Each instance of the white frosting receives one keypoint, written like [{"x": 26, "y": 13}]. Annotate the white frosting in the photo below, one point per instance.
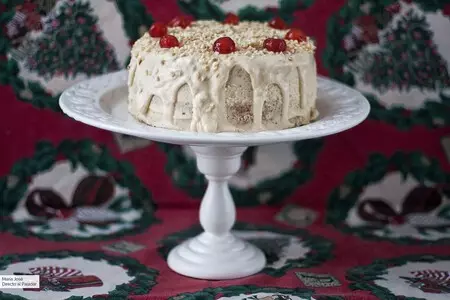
[{"x": 192, "y": 88}]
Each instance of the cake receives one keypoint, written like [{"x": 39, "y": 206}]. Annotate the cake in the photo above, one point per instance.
[{"x": 231, "y": 76}]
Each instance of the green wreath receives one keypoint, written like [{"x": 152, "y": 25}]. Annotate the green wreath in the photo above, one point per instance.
[
  {"x": 344, "y": 197},
  {"x": 321, "y": 249},
  {"x": 204, "y": 9},
  {"x": 432, "y": 114},
  {"x": 363, "y": 277},
  {"x": 230, "y": 291},
  {"x": 91, "y": 157},
  {"x": 145, "y": 277},
  {"x": 184, "y": 174},
  {"x": 134, "y": 16}
]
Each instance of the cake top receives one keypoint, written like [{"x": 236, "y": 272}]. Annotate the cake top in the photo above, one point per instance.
[{"x": 200, "y": 38}]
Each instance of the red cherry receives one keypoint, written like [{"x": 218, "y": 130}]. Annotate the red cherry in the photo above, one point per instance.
[
  {"x": 277, "y": 23},
  {"x": 224, "y": 45},
  {"x": 169, "y": 41},
  {"x": 275, "y": 45},
  {"x": 296, "y": 34},
  {"x": 158, "y": 29},
  {"x": 398, "y": 220},
  {"x": 180, "y": 21},
  {"x": 231, "y": 19}
]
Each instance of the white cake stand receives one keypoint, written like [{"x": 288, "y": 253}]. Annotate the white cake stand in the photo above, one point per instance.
[{"x": 216, "y": 253}]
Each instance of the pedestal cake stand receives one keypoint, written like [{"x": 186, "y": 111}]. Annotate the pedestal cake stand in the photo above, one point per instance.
[{"x": 216, "y": 253}]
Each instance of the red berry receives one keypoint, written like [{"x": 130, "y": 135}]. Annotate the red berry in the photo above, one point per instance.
[
  {"x": 275, "y": 45},
  {"x": 169, "y": 41},
  {"x": 231, "y": 19},
  {"x": 397, "y": 220},
  {"x": 366, "y": 21},
  {"x": 180, "y": 21},
  {"x": 296, "y": 34},
  {"x": 277, "y": 23},
  {"x": 158, "y": 29},
  {"x": 224, "y": 45},
  {"x": 64, "y": 213},
  {"x": 393, "y": 8}
]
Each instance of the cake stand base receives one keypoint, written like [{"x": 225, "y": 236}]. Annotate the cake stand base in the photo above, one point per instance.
[
  {"x": 209, "y": 257},
  {"x": 217, "y": 253}
]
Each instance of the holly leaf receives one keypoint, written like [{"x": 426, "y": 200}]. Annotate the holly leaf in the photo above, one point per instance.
[
  {"x": 252, "y": 13},
  {"x": 135, "y": 15},
  {"x": 355, "y": 179},
  {"x": 24, "y": 168},
  {"x": 119, "y": 204},
  {"x": 44, "y": 147},
  {"x": 73, "y": 159},
  {"x": 288, "y": 7},
  {"x": 36, "y": 88},
  {"x": 10, "y": 197},
  {"x": 4, "y": 45},
  {"x": 347, "y": 77},
  {"x": 445, "y": 98},
  {"x": 125, "y": 168},
  {"x": 6, "y": 16},
  {"x": 11, "y": 69},
  {"x": 17, "y": 84},
  {"x": 378, "y": 166},
  {"x": 417, "y": 166},
  {"x": 106, "y": 161},
  {"x": 431, "y": 6},
  {"x": 82, "y": 227},
  {"x": 202, "y": 9},
  {"x": 119, "y": 293},
  {"x": 445, "y": 212},
  {"x": 87, "y": 156}
]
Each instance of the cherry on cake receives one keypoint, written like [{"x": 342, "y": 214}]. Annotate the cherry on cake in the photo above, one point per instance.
[{"x": 231, "y": 76}]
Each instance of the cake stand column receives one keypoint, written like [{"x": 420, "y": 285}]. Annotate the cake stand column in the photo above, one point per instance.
[{"x": 217, "y": 253}]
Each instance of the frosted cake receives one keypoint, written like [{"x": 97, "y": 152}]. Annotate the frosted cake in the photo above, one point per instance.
[{"x": 230, "y": 76}]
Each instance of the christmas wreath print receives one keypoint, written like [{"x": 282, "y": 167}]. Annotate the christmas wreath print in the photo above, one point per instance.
[
  {"x": 49, "y": 45},
  {"x": 247, "y": 292},
  {"x": 387, "y": 50},
  {"x": 185, "y": 175},
  {"x": 252, "y": 292},
  {"x": 211, "y": 9},
  {"x": 414, "y": 277},
  {"x": 420, "y": 216},
  {"x": 61, "y": 271},
  {"x": 284, "y": 249},
  {"x": 73, "y": 191}
]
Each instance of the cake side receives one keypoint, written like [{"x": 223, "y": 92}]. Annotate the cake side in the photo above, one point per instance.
[{"x": 192, "y": 88}]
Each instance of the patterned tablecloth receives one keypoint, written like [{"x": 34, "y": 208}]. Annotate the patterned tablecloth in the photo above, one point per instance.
[{"x": 364, "y": 214}]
